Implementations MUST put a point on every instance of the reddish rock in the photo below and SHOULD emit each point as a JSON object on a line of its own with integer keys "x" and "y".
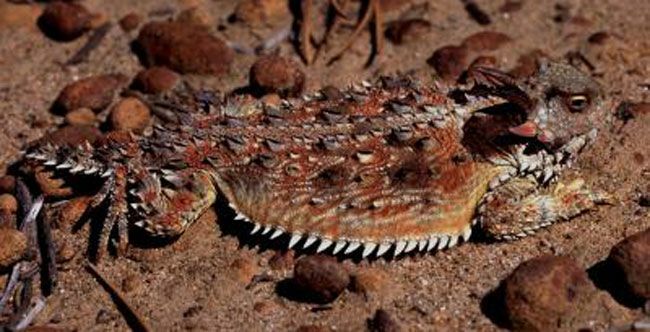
{"x": 130, "y": 114}
{"x": 65, "y": 21}
{"x": 195, "y": 15}
{"x": 155, "y": 80}
{"x": 95, "y": 92}
{"x": 81, "y": 117}
{"x": 449, "y": 61}
{"x": 185, "y": 48}
{"x": 632, "y": 257}
{"x": 7, "y": 184}
{"x": 50, "y": 185}
{"x": 73, "y": 135}
{"x": 321, "y": 278}
{"x": 65, "y": 253}
{"x": 13, "y": 247}
{"x": 548, "y": 293}
{"x": 261, "y": 12}
{"x": 130, "y": 21}
{"x": 486, "y": 41}
{"x": 8, "y": 204}
{"x": 406, "y": 31}
{"x": 383, "y": 322}
{"x": 276, "y": 74}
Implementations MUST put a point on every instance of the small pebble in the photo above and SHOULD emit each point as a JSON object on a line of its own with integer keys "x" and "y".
{"x": 65, "y": 253}
{"x": 13, "y": 247}
{"x": 277, "y": 74}
{"x": 258, "y": 13}
{"x": 265, "y": 308}
{"x": 486, "y": 41}
{"x": 130, "y": 22}
{"x": 599, "y": 38}
{"x": 65, "y": 21}
{"x": 8, "y": 204}
{"x": 185, "y": 48}
{"x": 449, "y": 61}
{"x": 321, "y": 278}
{"x": 7, "y": 184}
{"x": 155, "y": 80}
{"x": 130, "y": 114}
{"x": 632, "y": 257}
{"x": 407, "y": 31}
{"x": 195, "y": 15}
{"x": 81, "y": 117}
{"x": 383, "y": 322}
{"x": 95, "y": 92}
{"x": 548, "y": 293}
{"x": 73, "y": 135}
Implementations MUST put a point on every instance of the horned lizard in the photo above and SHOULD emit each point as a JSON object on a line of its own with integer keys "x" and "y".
{"x": 391, "y": 166}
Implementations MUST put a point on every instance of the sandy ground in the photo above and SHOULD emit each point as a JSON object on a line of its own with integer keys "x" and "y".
{"x": 193, "y": 284}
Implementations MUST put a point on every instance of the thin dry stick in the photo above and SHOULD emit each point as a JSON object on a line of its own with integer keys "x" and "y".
{"x": 135, "y": 321}
{"x": 365, "y": 20}
{"x": 305, "y": 32}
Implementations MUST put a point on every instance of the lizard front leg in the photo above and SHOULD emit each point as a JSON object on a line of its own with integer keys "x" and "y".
{"x": 520, "y": 207}
{"x": 168, "y": 212}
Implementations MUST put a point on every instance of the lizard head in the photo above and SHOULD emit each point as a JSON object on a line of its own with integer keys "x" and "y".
{"x": 564, "y": 105}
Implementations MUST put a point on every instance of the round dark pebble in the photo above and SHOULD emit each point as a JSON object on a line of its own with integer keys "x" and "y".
{"x": 73, "y": 135}
{"x": 632, "y": 257}
{"x": 277, "y": 74}
{"x": 185, "y": 48}
{"x": 486, "y": 41}
{"x": 599, "y": 37}
{"x": 130, "y": 114}
{"x": 81, "y": 117}
{"x": 383, "y": 322}
{"x": 321, "y": 278}
{"x": 406, "y": 31}
{"x": 547, "y": 293}
{"x": 449, "y": 61}
{"x": 8, "y": 204}
{"x": 95, "y": 92}
{"x": 7, "y": 184}
{"x": 65, "y": 21}
{"x": 130, "y": 22}
{"x": 155, "y": 80}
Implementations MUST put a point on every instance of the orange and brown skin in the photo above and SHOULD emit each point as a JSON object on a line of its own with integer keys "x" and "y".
{"x": 396, "y": 164}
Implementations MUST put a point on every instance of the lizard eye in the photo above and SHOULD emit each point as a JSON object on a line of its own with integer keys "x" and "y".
{"x": 578, "y": 102}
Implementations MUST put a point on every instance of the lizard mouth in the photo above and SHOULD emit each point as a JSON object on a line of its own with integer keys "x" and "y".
{"x": 544, "y": 164}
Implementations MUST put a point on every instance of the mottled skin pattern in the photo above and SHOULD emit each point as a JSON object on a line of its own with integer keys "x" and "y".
{"x": 374, "y": 169}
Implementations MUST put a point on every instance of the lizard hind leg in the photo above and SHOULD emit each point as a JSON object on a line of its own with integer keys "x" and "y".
{"x": 520, "y": 207}
{"x": 169, "y": 211}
